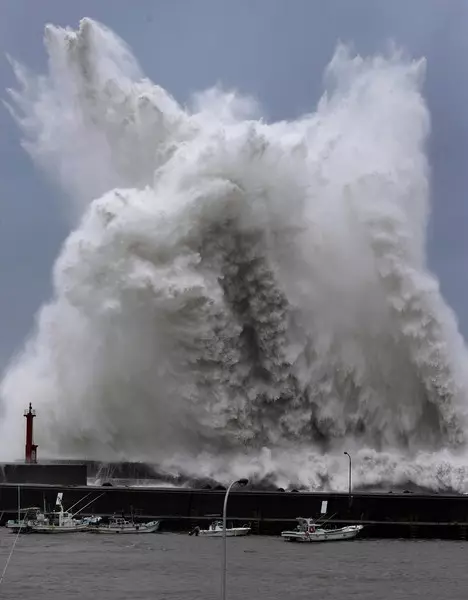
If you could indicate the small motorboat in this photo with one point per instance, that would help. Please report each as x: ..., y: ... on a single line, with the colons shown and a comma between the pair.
x: 216, y: 530
x: 308, y: 530
x: 121, y: 525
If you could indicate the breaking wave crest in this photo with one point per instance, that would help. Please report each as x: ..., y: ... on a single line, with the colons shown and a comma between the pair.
x: 239, y: 297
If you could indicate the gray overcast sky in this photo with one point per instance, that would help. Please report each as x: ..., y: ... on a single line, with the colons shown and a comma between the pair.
x: 275, y: 50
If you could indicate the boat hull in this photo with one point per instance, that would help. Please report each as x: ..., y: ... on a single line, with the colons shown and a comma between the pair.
x: 56, y: 529
x: 145, y: 528
x: 323, y: 535
x: 34, y: 527
x: 234, y: 532
x: 19, y: 529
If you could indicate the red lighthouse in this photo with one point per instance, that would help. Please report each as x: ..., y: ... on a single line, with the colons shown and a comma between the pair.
x: 31, y: 449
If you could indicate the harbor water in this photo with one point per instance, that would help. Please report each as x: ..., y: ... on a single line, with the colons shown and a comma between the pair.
x: 177, y: 566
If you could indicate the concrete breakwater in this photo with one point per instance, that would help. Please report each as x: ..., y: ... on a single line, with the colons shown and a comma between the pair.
x: 385, y: 515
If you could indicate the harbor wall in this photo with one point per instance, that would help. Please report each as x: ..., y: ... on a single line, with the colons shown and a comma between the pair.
x: 384, y: 515
x: 43, y: 473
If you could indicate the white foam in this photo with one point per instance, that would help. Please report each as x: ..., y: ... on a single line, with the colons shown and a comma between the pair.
x: 239, y: 297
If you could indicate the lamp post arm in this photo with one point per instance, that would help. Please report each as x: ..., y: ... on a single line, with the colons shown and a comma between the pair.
x: 349, y: 476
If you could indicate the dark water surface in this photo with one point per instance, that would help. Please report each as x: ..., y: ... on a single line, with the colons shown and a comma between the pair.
x: 173, y: 566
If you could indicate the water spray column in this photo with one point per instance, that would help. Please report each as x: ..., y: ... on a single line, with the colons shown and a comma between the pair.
x: 31, y: 448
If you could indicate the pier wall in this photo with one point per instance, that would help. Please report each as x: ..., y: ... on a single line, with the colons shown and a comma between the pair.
x: 385, y: 515
x: 43, y: 473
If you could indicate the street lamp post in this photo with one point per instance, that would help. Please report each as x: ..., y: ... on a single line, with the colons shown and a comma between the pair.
x: 240, y: 482
x: 349, y: 477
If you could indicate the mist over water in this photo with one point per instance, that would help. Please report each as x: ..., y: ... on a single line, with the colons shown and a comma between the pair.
x: 237, y: 297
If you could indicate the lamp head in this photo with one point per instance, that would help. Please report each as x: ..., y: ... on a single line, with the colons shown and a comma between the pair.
x: 243, y: 482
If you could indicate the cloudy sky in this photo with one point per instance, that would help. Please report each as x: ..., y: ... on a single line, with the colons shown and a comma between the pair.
x: 275, y: 50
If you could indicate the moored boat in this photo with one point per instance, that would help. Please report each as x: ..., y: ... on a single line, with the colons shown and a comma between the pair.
x: 37, y: 521
x: 121, y: 525
x: 58, y: 521
x: 308, y: 530
x: 216, y: 530
x: 25, y: 523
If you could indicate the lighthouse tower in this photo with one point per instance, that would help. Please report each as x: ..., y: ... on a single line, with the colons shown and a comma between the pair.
x: 31, y: 448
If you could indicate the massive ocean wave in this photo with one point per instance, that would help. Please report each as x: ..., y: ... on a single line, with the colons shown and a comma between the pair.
x: 237, y: 297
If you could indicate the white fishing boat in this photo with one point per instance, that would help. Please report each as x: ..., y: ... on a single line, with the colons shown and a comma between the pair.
x: 60, y: 521
x: 36, y: 520
x: 216, y: 530
x: 120, y: 525
x: 308, y: 530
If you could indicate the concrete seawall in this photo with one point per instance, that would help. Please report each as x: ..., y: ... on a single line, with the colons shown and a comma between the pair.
x: 44, y: 473
x: 385, y: 515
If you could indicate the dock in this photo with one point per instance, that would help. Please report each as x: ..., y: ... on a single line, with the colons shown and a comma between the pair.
x: 384, y: 515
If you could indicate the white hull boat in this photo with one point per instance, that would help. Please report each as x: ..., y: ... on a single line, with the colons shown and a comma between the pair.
x: 59, y: 521
x: 122, y: 526
x: 309, y: 531
x: 57, y: 528
x: 216, y: 530
x: 40, y: 522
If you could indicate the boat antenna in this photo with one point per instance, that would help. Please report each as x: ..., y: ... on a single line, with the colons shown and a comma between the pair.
x: 79, y: 501
x: 86, y: 505
x: 326, y: 520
